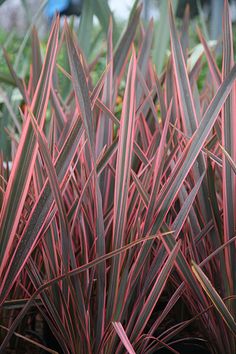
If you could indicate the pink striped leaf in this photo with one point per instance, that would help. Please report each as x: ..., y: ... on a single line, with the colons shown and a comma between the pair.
x: 123, y: 337
x: 122, y: 178
x: 18, y: 184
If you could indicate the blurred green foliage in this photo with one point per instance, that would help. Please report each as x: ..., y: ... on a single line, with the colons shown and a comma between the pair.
x: 94, y: 46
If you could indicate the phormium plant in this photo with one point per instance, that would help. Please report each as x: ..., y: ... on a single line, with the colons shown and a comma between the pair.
x: 111, y: 226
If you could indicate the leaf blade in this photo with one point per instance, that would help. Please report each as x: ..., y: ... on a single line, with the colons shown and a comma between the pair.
x: 215, y: 298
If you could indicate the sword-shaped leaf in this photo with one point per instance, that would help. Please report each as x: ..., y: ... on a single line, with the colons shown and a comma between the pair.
x: 18, y: 184
x: 122, y: 179
x: 215, y: 298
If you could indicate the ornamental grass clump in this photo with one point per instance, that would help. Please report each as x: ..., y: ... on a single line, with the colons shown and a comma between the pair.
x: 113, y: 224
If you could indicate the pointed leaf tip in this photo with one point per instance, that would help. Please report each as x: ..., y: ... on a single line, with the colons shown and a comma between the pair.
x: 214, y: 297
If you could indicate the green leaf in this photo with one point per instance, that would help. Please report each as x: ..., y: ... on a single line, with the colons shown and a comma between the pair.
x: 162, y: 36
x: 103, y: 13
x: 7, y: 79
x: 86, y: 27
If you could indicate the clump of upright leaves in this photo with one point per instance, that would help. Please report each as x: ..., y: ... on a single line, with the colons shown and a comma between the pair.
x: 105, y: 217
